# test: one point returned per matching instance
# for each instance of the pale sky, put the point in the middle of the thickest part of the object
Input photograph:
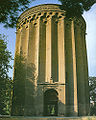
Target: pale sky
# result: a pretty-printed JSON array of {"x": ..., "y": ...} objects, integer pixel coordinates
[{"x": 90, "y": 18}]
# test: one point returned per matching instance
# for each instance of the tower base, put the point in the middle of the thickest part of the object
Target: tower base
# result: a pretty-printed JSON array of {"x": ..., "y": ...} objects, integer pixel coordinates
[{"x": 47, "y": 118}]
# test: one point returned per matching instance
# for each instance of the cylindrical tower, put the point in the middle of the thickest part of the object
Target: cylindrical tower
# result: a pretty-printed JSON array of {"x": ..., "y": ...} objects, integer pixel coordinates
[{"x": 50, "y": 71}]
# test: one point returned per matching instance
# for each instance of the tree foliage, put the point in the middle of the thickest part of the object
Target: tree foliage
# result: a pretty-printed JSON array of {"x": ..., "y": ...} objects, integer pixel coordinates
[
  {"x": 24, "y": 77},
  {"x": 76, "y": 7},
  {"x": 92, "y": 86},
  {"x": 18, "y": 97},
  {"x": 10, "y": 9},
  {"x": 5, "y": 80}
]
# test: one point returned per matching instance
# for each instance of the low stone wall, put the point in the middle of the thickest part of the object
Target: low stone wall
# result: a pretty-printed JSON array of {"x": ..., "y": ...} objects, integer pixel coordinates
[{"x": 47, "y": 118}]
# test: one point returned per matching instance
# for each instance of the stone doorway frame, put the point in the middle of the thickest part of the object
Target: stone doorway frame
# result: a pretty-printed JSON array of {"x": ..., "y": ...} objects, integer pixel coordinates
[{"x": 50, "y": 102}]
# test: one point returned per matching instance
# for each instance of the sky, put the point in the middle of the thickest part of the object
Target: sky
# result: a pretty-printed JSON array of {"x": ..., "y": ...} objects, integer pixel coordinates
[{"x": 90, "y": 18}]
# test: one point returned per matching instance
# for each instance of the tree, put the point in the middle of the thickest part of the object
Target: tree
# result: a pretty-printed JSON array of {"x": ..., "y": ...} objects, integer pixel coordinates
[
  {"x": 5, "y": 80},
  {"x": 10, "y": 9},
  {"x": 92, "y": 86},
  {"x": 76, "y": 7},
  {"x": 23, "y": 80},
  {"x": 18, "y": 97}
]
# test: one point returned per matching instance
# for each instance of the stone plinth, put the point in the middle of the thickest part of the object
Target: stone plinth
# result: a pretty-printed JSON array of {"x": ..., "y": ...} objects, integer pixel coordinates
[{"x": 48, "y": 118}]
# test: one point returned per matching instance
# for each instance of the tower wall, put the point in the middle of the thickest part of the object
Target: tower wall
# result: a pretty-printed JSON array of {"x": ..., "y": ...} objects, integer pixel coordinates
[{"x": 53, "y": 54}]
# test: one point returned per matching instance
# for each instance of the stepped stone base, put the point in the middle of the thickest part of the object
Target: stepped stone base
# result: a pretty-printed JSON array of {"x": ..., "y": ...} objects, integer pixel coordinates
[{"x": 47, "y": 118}]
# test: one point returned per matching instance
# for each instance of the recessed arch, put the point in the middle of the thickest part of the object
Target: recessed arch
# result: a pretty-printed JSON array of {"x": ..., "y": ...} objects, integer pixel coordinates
[{"x": 50, "y": 102}]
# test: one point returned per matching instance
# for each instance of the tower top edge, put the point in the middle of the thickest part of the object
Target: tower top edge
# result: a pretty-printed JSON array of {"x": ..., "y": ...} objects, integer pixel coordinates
[
  {"x": 41, "y": 7},
  {"x": 44, "y": 10}
]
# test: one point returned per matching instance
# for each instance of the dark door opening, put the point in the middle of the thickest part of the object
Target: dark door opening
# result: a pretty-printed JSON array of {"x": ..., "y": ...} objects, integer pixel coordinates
[{"x": 51, "y": 103}]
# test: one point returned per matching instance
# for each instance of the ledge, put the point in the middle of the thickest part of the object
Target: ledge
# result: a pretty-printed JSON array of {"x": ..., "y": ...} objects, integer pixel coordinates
[{"x": 47, "y": 118}]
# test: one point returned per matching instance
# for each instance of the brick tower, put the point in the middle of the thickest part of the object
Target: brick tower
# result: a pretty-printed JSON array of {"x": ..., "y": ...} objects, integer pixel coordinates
[{"x": 50, "y": 70}]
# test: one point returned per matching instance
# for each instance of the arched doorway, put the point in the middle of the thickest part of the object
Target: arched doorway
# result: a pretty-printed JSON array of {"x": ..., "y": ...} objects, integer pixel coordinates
[{"x": 51, "y": 103}]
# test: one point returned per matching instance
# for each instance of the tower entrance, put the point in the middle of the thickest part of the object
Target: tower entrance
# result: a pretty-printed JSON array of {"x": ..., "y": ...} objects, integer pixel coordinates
[{"x": 51, "y": 103}]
